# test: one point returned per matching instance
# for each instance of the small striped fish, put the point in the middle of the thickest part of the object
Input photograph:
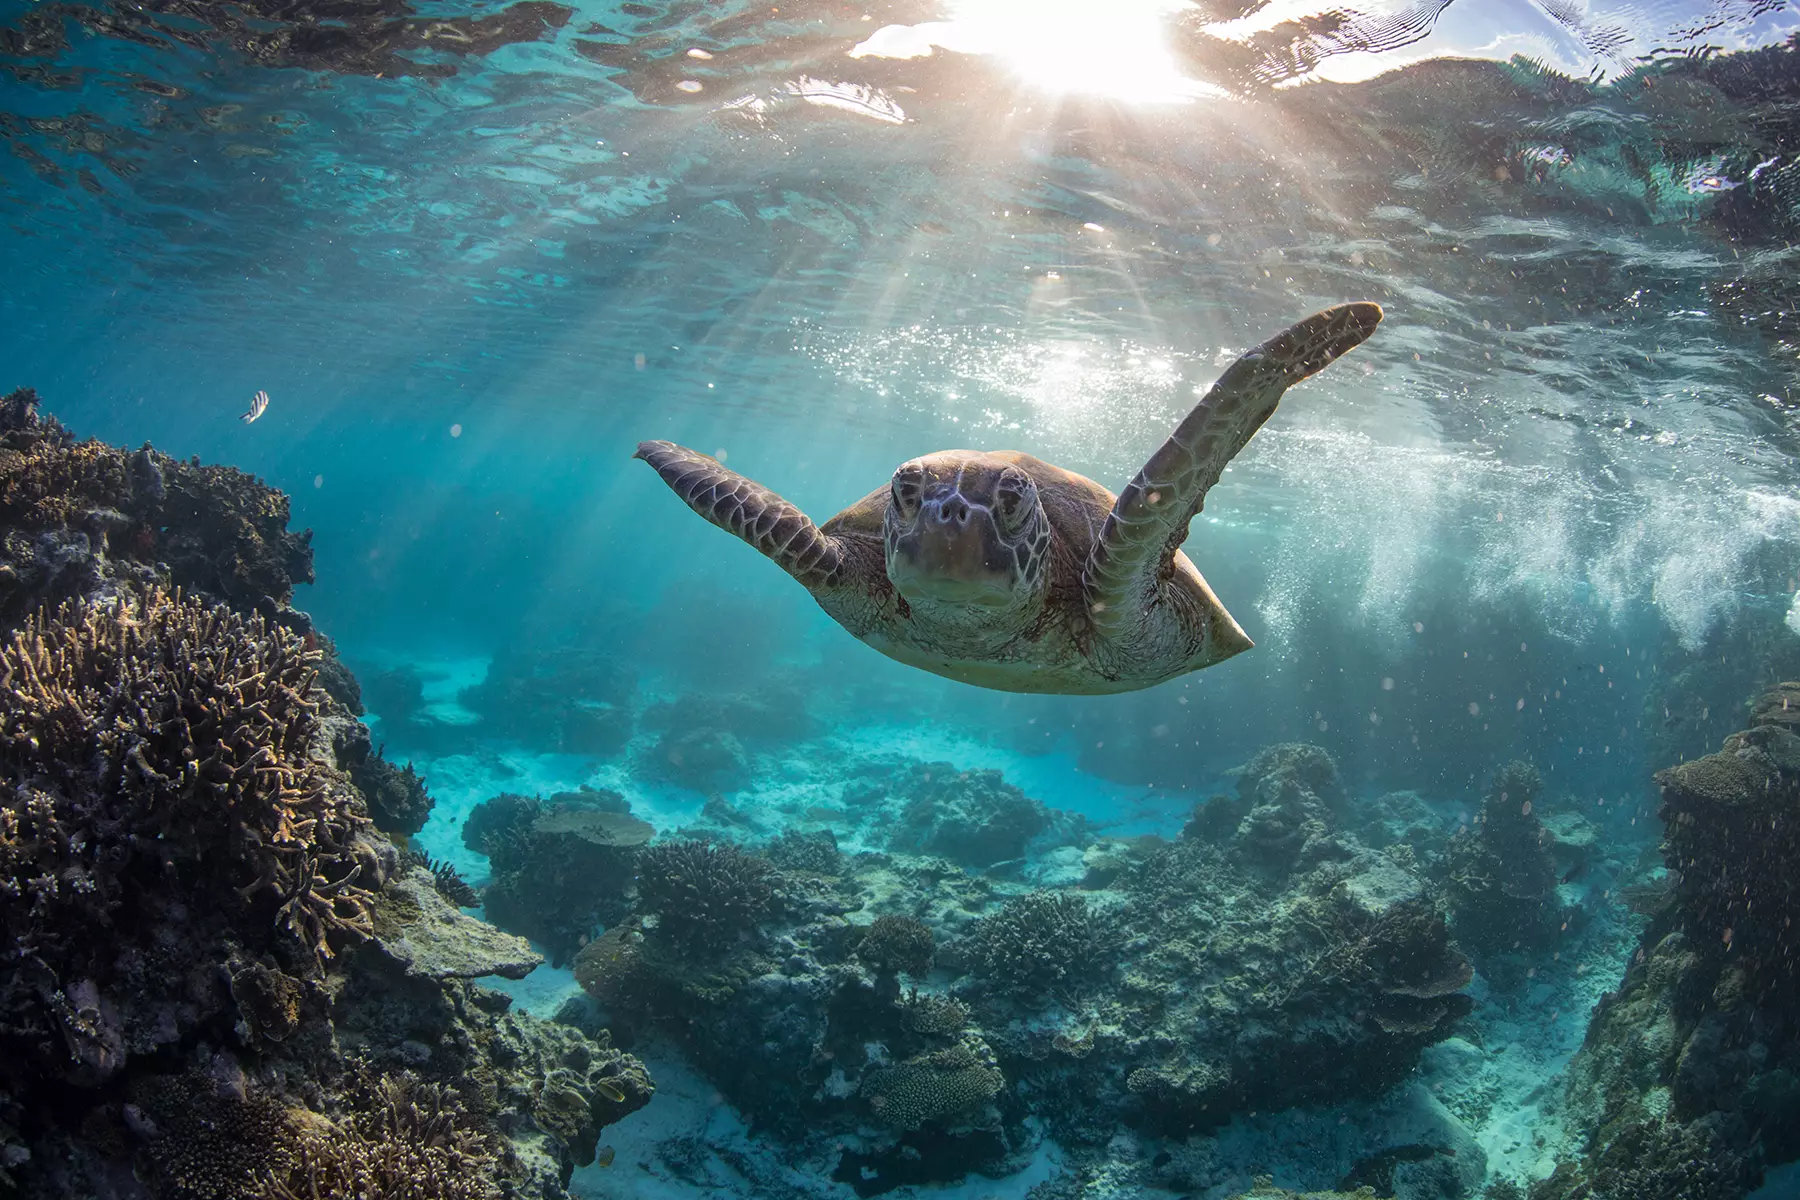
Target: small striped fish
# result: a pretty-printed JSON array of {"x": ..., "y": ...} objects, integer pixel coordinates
[{"x": 259, "y": 404}]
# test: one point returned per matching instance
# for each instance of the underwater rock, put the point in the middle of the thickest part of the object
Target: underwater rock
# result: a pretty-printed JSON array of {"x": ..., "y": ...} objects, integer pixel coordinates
[
  {"x": 75, "y": 514},
  {"x": 1686, "y": 1078},
  {"x": 974, "y": 818},
  {"x": 570, "y": 701},
  {"x": 559, "y": 873},
  {"x": 1502, "y": 874},
  {"x": 423, "y": 932},
  {"x": 701, "y": 760}
]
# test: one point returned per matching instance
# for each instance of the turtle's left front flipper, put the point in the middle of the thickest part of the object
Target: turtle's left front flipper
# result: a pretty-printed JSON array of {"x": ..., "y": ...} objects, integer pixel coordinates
[
  {"x": 1150, "y": 518},
  {"x": 749, "y": 510}
]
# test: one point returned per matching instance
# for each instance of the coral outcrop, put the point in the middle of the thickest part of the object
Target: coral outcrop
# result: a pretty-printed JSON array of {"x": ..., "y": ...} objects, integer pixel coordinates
[
  {"x": 571, "y": 701},
  {"x": 1689, "y": 1077},
  {"x": 77, "y": 512},
  {"x": 974, "y": 818},
  {"x": 703, "y": 895},
  {"x": 560, "y": 872},
  {"x": 922, "y": 1018},
  {"x": 217, "y": 979},
  {"x": 156, "y": 746},
  {"x": 1502, "y": 871}
]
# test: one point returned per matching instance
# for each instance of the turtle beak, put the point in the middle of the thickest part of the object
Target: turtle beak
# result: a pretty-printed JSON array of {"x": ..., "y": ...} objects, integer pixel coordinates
[{"x": 953, "y": 554}]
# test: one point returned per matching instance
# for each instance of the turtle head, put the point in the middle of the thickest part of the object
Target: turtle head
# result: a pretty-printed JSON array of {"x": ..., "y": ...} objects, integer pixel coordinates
[{"x": 966, "y": 528}]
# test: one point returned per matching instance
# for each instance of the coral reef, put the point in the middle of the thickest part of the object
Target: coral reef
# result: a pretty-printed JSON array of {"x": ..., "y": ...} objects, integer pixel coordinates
[
  {"x": 701, "y": 760},
  {"x": 398, "y": 801},
  {"x": 75, "y": 513},
  {"x": 897, "y": 944},
  {"x": 703, "y": 895},
  {"x": 974, "y": 818},
  {"x": 216, "y": 976},
  {"x": 155, "y": 745},
  {"x": 559, "y": 873},
  {"x": 1042, "y": 942},
  {"x": 571, "y": 700},
  {"x": 1502, "y": 873},
  {"x": 445, "y": 877},
  {"x": 1186, "y": 985},
  {"x": 394, "y": 695},
  {"x": 1686, "y": 1080},
  {"x": 932, "y": 1087}
]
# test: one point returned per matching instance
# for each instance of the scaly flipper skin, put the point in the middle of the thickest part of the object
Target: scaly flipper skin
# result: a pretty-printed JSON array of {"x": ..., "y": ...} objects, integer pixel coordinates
[
  {"x": 751, "y": 511},
  {"x": 1136, "y": 548}
]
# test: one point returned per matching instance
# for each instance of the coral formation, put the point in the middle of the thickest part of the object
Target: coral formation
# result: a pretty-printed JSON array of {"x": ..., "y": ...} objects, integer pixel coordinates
[
  {"x": 932, "y": 1087},
  {"x": 398, "y": 801},
  {"x": 1686, "y": 1079},
  {"x": 559, "y": 873},
  {"x": 448, "y": 880},
  {"x": 1502, "y": 873},
  {"x": 570, "y": 700},
  {"x": 974, "y": 818},
  {"x": 1040, "y": 943},
  {"x": 147, "y": 738},
  {"x": 703, "y": 895},
  {"x": 897, "y": 944},
  {"x": 70, "y": 509},
  {"x": 213, "y": 965}
]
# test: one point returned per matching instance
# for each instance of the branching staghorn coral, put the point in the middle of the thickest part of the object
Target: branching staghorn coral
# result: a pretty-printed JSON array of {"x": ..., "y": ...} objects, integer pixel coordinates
[{"x": 147, "y": 739}]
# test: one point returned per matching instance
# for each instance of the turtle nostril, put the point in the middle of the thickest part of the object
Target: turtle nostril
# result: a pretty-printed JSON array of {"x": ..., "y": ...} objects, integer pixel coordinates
[{"x": 954, "y": 510}]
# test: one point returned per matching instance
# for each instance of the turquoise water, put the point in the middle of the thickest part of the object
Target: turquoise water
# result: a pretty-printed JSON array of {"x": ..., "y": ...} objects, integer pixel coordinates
[{"x": 1547, "y": 513}]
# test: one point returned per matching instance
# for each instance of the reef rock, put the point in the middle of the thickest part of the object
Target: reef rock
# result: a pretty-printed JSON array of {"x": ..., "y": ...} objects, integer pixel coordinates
[
  {"x": 974, "y": 818},
  {"x": 216, "y": 979},
  {"x": 560, "y": 872},
  {"x": 424, "y": 933},
  {"x": 1689, "y": 1077}
]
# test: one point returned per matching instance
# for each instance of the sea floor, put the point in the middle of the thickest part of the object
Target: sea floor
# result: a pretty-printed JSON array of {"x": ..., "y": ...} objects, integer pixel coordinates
[{"x": 1494, "y": 1087}]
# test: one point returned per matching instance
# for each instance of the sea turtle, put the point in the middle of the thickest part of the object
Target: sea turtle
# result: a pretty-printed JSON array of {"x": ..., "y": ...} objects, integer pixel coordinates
[{"x": 1003, "y": 571}]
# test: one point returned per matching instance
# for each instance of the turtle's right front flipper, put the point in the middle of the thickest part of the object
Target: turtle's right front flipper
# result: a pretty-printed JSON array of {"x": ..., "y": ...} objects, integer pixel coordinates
[{"x": 749, "y": 510}]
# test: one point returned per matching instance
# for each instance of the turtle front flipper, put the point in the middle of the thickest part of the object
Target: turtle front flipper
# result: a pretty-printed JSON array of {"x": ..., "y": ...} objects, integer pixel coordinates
[
  {"x": 749, "y": 510},
  {"x": 1149, "y": 521}
]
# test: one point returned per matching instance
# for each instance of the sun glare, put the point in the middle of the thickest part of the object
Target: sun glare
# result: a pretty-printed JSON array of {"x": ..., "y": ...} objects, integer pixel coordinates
[{"x": 1118, "y": 49}]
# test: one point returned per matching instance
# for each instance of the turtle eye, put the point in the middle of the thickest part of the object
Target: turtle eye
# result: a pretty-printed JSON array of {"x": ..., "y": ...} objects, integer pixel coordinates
[
  {"x": 906, "y": 494},
  {"x": 1012, "y": 498}
]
